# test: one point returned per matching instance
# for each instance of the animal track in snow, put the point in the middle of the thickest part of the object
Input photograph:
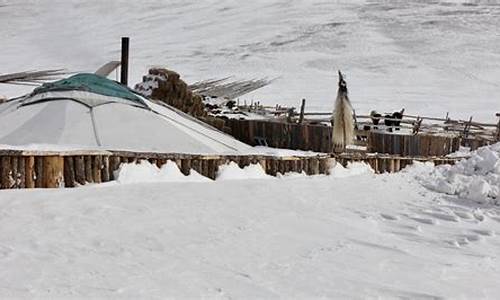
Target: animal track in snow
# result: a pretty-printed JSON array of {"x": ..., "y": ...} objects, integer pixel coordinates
[
  {"x": 484, "y": 232},
  {"x": 390, "y": 217},
  {"x": 423, "y": 220},
  {"x": 443, "y": 216},
  {"x": 464, "y": 215}
]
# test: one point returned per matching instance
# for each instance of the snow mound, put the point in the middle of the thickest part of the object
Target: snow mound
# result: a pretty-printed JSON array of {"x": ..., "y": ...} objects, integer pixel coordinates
[
  {"x": 232, "y": 171},
  {"x": 144, "y": 171},
  {"x": 352, "y": 169},
  {"x": 476, "y": 178}
]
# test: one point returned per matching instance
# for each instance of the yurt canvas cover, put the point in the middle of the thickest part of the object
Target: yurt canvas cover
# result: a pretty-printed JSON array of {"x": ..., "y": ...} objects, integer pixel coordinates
[{"x": 89, "y": 111}]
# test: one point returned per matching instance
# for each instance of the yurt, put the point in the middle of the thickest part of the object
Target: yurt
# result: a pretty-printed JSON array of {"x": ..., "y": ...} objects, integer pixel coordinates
[{"x": 88, "y": 111}]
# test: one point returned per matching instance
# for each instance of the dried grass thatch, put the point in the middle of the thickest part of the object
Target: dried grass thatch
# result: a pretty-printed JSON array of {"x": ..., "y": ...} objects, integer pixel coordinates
[{"x": 228, "y": 89}]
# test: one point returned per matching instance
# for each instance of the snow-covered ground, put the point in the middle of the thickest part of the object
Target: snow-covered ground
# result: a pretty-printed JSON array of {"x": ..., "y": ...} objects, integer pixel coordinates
[
  {"x": 351, "y": 235},
  {"x": 426, "y": 233},
  {"x": 430, "y": 57}
]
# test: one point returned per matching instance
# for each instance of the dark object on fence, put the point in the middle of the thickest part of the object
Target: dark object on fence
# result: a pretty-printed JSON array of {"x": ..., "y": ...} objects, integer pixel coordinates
[
  {"x": 124, "y": 61},
  {"x": 375, "y": 118},
  {"x": 412, "y": 145},
  {"x": 394, "y": 120}
]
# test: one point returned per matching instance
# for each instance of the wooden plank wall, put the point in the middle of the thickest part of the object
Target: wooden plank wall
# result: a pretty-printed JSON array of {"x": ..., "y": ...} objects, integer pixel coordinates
[
  {"x": 411, "y": 145},
  {"x": 52, "y": 170},
  {"x": 308, "y": 137}
]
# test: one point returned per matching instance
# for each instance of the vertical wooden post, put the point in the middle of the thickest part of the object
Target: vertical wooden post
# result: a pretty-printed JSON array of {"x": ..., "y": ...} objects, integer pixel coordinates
[
  {"x": 21, "y": 172},
  {"x": 196, "y": 164},
  {"x": 467, "y": 127},
  {"x": 69, "y": 172},
  {"x": 262, "y": 162},
  {"x": 124, "y": 61},
  {"x": 212, "y": 168},
  {"x": 79, "y": 163},
  {"x": 326, "y": 165},
  {"x": 88, "y": 168},
  {"x": 391, "y": 165},
  {"x": 6, "y": 179},
  {"x": 14, "y": 167},
  {"x": 53, "y": 172},
  {"x": 39, "y": 162},
  {"x": 498, "y": 127},
  {"x": 302, "y": 108},
  {"x": 114, "y": 164},
  {"x": 30, "y": 172},
  {"x": 186, "y": 166},
  {"x": 96, "y": 168},
  {"x": 105, "y": 176},
  {"x": 314, "y": 166},
  {"x": 397, "y": 165}
]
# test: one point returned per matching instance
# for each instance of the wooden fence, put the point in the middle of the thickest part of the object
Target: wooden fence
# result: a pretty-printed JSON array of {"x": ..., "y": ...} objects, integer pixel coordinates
[
  {"x": 308, "y": 137},
  {"x": 318, "y": 138},
  {"x": 412, "y": 144},
  {"x": 35, "y": 169}
]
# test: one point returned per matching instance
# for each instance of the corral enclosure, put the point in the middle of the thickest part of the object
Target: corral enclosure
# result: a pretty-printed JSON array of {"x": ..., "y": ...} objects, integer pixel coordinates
[{"x": 52, "y": 169}]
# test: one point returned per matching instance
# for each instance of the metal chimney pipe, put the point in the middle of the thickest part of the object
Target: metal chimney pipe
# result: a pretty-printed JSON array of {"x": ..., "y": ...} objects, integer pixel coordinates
[{"x": 124, "y": 62}]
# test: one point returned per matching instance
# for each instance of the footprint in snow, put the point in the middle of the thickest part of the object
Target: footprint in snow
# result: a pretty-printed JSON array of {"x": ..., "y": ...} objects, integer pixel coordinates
[
  {"x": 390, "y": 217},
  {"x": 443, "y": 216},
  {"x": 428, "y": 221},
  {"x": 464, "y": 215},
  {"x": 484, "y": 232}
]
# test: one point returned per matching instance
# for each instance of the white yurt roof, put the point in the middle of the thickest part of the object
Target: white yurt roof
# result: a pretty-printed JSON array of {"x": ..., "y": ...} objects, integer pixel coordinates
[{"x": 90, "y": 118}]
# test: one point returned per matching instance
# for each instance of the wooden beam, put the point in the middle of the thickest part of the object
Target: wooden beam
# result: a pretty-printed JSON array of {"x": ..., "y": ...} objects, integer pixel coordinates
[
  {"x": 302, "y": 108},
  {"x": 107, "y": 68}
]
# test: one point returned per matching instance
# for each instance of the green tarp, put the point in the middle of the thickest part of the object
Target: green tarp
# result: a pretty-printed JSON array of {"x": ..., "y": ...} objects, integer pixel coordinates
[{"x": 90, "y": 83}]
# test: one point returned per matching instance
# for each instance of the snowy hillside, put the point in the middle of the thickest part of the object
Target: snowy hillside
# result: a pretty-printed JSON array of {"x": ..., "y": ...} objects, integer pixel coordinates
[
  {"x": 427, "y": 56},
  {"x": 424, "y": 233},
  {"x": 245, "y": 239}
]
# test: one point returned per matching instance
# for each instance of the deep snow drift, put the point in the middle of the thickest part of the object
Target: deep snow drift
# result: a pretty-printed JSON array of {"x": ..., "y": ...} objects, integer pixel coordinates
[
  {"x": 475, "y": 179},
  {"x": 350, "y": 235},
  {"x": 427, "y": 56}
]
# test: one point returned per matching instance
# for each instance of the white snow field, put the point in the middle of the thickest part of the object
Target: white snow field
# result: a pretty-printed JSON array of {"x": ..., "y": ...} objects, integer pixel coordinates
[
  {"x": 430, "y": 57},
  {"x": 353, "y": 235},
  {"x": 426, "y": 233}
]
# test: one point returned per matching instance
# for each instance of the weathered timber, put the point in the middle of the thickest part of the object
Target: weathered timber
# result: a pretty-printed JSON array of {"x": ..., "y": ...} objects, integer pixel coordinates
[
  {"x": 314, "y": 137},
  {"x": 7, "y": 181},
  {"x": 19, "y": 171},
  {"x": 39, "y": 165},
  {"x": 53, "y": 172},
  {"x": 14, "y": 160},
  {"x": 412, "y": 145},
  {"x": 30, "y": 172},
  {"x": 88, "y": 168},
  {"x": 69, "y": 172},
  {"x": 96, "y": 168},
  {"x": 79, "y": 162},
  {"x": 114, "y": 164},
  {"x": 105, "y": 171}
]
